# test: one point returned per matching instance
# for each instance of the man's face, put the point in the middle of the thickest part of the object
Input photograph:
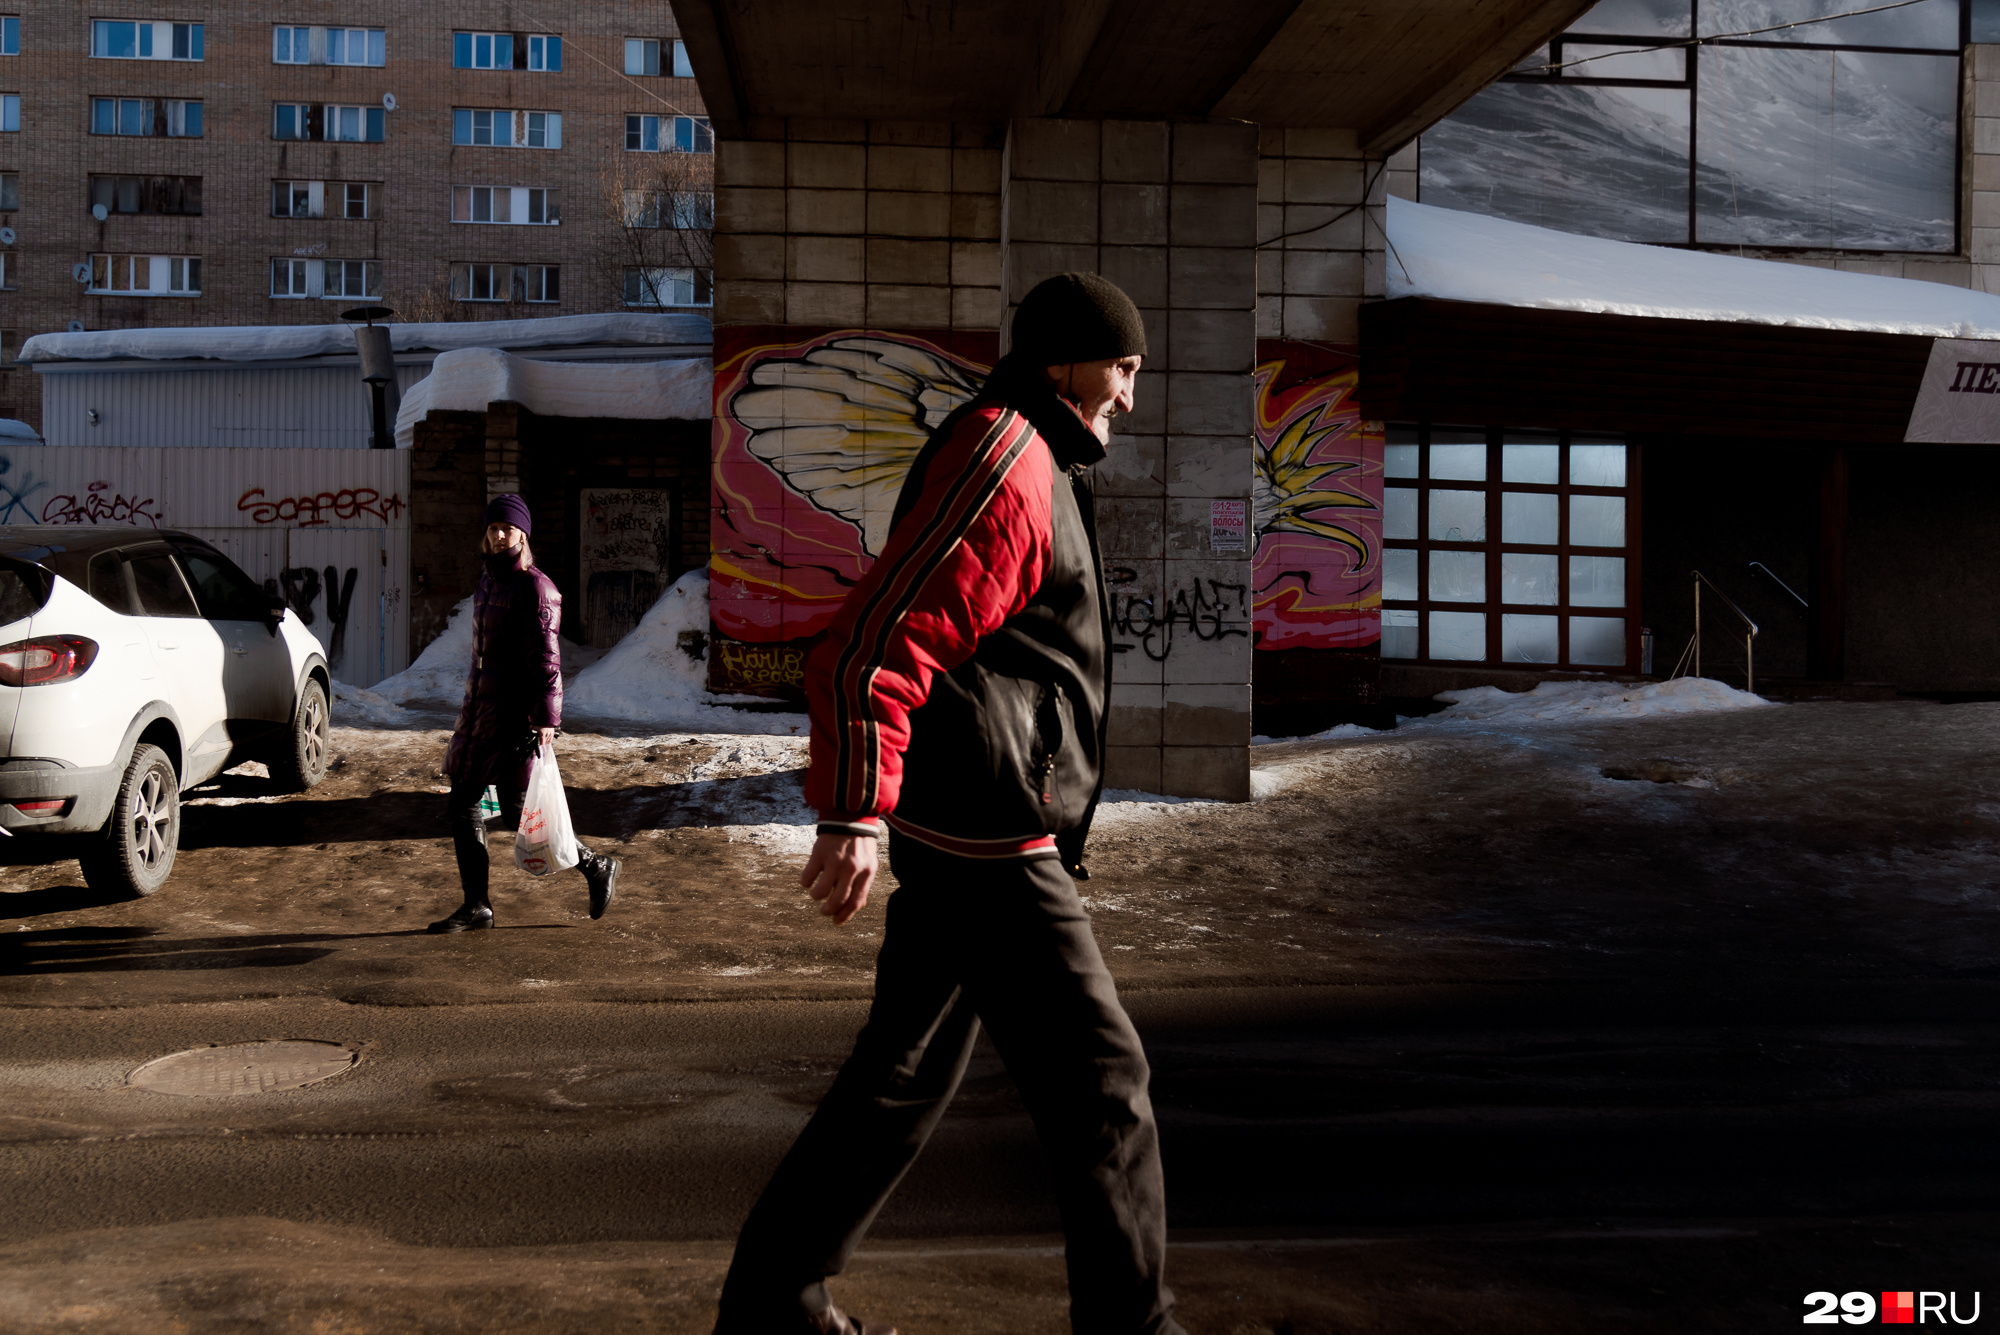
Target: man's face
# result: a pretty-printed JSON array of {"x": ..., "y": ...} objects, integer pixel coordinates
[
  {"x": 502, "y": 536},
  {"x": 1100, "y": 390}
]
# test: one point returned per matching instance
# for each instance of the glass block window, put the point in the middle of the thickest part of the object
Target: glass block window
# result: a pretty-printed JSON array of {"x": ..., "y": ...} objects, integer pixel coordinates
[{"x": 1509, "y": 548}]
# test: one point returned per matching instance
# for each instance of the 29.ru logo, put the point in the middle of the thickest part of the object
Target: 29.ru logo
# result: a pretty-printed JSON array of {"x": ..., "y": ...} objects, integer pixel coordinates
[{"x": 1899, "y": 1308}]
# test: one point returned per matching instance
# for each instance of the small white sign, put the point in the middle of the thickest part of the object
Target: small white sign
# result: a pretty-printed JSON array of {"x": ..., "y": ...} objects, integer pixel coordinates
[{"x": 1229, "y": 526}]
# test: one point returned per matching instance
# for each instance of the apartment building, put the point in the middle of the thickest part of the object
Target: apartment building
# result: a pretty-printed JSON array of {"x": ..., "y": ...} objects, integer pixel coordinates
[{"x": 247, "y": 164}]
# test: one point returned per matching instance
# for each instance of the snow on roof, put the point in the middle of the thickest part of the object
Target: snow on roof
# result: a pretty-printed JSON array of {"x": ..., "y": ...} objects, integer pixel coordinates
[
  {"x": 14, "y": 429},
  {"x": 467, "y": 379},
  {"x": 1458, "y": 256},
  {"x": 268, "y": 343}
]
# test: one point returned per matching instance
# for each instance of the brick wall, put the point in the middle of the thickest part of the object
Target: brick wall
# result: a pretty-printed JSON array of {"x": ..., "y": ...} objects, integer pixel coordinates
[{"x": 237, "y": 159}]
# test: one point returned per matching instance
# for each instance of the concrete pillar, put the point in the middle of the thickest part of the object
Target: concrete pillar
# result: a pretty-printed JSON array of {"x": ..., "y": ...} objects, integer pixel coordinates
[{"x": 1168, "y": 212}]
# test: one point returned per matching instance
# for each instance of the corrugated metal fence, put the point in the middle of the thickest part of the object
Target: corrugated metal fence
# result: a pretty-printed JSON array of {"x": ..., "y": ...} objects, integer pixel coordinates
[
  {"x": 330, "y": 529},
  {"x": 224, "y": 404}
]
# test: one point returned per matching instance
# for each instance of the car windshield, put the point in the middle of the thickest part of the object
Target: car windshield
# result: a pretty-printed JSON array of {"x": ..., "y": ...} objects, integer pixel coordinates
[{"x": 24, "y": 588}]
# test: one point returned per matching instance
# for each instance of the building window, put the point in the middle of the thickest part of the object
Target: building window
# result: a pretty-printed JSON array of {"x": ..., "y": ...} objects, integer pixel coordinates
[
  {"x": 506, "y": 51},
  {"x": 495, "y": 128},
  {"x": 10, "y": 346},
  {"x": 667, "y": 287},
  {"x": 10, "y": 35},
  {"x": 325, "y": 278},
  {"x": 129, "y": 39},
  {"x": 328, "y": 46},
  {"x": 7, "y": 283},
  {"x": 10, "y": 191},
  {"x": 146, "y": 194},
  {"x": 10, "y": 112},
  {"x": 325, "y": 199},
  {"x": 538, "y": 282},
  {"x": 1508, "y": 548},
  {"x": 541, "y": 283},
  {"x": 146, "y": 275},
  {"x": 145, "y": 116},
  {"x": 332, "y": 123},
  {"x": 654, "y": 134},
  {"x": 653, "y": 208},
  {"x": 642, "y": 55},
  {"x": 505, "y": 204},
  {"x": 1668, "y": 122}
]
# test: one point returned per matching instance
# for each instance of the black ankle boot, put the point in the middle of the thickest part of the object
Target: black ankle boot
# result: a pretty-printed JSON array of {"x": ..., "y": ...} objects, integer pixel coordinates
[
  {"x": 602, "y": 873},
  {"x": 468, "y": 918}
]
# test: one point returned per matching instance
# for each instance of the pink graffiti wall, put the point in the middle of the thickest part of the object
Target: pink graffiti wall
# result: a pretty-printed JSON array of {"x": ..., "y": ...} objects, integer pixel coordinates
[{"x": 1318, "y": 503}]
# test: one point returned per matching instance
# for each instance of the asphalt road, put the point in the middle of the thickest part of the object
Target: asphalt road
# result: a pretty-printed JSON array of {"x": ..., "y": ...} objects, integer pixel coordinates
[{"x": 1536, "y": 1048}]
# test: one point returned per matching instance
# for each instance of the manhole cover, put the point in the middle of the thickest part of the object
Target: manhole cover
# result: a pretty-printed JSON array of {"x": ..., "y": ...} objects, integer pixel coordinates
[{"x": 244, "y": 1068}]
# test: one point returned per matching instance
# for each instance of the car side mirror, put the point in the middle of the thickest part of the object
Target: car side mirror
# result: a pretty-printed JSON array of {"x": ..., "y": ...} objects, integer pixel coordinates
[{"x": 274, "y": 611}]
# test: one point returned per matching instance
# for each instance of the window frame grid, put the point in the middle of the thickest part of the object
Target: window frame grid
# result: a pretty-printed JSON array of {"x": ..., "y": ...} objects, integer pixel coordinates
[
  {"x": 1495, "y": 545},
  {"x": 1690, "y": 83}
]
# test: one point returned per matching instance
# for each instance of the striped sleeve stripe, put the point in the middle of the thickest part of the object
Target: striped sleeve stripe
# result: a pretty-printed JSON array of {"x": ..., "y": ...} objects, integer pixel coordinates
[{"x": 858, "y": 754}]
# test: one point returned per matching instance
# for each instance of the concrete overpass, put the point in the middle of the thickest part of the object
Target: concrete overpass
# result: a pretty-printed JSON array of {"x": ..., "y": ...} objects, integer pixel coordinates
[{"x": 891, "y": 177}]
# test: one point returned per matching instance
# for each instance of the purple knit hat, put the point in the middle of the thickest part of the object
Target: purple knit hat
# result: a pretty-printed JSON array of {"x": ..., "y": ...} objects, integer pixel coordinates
[{"x": 510, "y": 509}]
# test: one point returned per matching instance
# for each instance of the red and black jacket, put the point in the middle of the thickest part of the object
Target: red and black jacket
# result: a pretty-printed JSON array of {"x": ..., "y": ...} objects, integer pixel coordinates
[{"x": 960, "y": 692}]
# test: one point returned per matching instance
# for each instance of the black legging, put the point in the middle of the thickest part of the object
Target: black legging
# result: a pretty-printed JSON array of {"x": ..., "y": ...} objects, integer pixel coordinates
[{"x": 468, "y": 833}]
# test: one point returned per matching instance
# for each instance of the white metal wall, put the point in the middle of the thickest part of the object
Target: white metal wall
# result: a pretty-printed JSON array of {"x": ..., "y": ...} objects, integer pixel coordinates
[
  {"x": 328, "y": 528},
  {"x": 286, "y": 406}
]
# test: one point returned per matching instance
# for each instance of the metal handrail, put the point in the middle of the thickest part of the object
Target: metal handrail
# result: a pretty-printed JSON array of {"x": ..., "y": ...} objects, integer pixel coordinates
[
  {"x": 1749, "y": 637},
  {"x": 1759, "y": 565}
]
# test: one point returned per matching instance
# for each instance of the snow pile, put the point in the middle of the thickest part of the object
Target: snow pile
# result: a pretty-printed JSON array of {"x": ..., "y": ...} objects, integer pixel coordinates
[
  {"x": 265, "y": 343},
  {"x": 354, "y": 707},
  {"x": 13, "y": 428},
  {"x": 649, "y": 677},
  {"x": 1588, "y": 701},
  {"x": 470, "y": 378},
  {"x": 437, "y": 679},
  {"x": 1458, "y": 256},
  {"x": 1338, "y": 732}
]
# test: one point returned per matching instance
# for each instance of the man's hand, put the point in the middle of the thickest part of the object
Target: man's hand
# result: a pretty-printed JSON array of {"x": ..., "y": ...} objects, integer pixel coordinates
[{"x": 839, "y": 872}]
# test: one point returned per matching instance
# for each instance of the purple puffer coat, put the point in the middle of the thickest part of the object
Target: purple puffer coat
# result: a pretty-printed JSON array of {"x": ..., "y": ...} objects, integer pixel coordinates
[{"x": 515, "y": 683}]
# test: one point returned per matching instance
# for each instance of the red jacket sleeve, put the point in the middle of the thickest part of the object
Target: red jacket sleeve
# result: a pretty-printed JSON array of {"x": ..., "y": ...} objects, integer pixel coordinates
[{"x": 968, "y": 555}]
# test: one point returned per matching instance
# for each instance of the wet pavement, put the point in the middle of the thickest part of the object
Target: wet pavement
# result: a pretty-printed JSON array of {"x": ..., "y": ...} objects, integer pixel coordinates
[{"x": 1452, "y": 1032}]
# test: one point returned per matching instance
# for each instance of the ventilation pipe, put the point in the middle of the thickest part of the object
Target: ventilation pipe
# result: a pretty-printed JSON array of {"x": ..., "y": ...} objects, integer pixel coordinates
[{"x": 378, "y": 372}]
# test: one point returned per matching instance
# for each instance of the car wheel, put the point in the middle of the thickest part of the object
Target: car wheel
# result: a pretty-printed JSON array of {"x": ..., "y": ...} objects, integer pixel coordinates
[
  {"x": 302, "y": 761},
  {"x": 134, "y": 852}
]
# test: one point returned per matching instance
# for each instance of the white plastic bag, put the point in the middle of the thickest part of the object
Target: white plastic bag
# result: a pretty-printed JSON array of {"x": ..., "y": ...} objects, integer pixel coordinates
[{"x": 545, "y": 841}]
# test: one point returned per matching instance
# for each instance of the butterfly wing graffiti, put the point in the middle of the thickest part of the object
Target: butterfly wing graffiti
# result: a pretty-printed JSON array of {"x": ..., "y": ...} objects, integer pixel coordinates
[{"x": 842, "y": 423}]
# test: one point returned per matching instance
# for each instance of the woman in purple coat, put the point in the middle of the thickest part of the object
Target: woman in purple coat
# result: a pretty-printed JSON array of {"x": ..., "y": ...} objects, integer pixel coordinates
[{"x": 513, "y": 707}]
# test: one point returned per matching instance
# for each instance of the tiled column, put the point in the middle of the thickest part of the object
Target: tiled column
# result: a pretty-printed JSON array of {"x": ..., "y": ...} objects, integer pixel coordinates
[
  {"x": 1168, "y": 212},
  {"x": 859, "y": 224},
  {"x": 1321, "y": 251}
]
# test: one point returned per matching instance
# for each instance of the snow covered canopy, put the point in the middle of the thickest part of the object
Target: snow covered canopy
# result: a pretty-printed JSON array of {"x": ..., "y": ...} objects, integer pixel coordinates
[
  {"x": 267, "y": 343},
  {"x": 1455, "y": 256},
  {"x": 468, "y": 379}
]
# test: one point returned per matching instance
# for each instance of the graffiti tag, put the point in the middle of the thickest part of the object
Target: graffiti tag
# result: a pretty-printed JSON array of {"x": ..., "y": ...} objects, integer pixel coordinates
[
  {"x": 302, "y": 589},
  {"x": 15, "y": 494},
  {"x": 1211, "y": 610},
  {"x": 98, "y": 507},
  {"x": 311, "y": 511},
  {"x": 737, "y": 666}
]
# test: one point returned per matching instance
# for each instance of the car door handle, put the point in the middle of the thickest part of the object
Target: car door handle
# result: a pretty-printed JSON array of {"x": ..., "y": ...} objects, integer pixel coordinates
[{"x": 166, "y": 644}]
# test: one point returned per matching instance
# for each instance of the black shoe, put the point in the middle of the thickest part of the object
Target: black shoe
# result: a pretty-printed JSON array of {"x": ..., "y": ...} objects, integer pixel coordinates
[
  {"x": 469, "y": 918},
  {"x": 602, "y": 873}
]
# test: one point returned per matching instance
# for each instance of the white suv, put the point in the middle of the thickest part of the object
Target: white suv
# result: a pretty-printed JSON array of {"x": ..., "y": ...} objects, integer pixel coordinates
[{"x": 135, "y": 663}]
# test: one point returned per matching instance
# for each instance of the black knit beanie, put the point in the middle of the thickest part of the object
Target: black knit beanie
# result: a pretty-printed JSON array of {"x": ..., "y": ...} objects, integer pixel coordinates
[{"x": 1076, "y": 317}]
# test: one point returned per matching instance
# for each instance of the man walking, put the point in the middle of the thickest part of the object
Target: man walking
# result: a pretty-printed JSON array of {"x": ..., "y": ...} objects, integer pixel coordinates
[{"x": 959, "y": 698}]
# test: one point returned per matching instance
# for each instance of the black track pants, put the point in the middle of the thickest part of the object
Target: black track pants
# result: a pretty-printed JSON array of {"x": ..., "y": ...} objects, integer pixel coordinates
[{"x": 1006, "y": 943}]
